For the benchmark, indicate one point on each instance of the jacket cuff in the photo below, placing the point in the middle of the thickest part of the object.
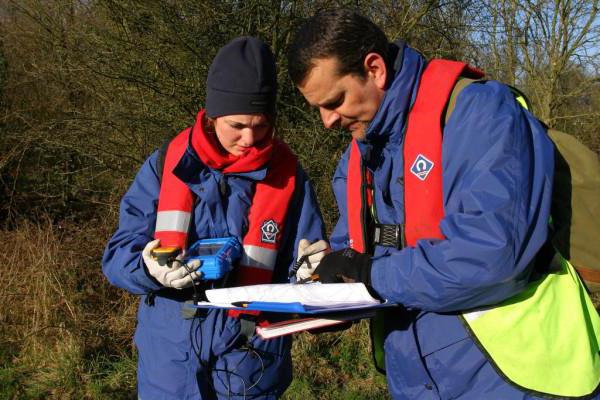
(378, 277)
(143, 278)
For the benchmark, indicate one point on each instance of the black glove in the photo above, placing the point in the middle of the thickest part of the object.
(346, 265)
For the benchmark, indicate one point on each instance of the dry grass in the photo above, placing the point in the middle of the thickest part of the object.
(60, 318)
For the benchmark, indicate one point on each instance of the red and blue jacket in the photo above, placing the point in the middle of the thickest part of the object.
(190, 358)
(497, 170)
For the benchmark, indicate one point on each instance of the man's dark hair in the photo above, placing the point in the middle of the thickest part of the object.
(342, 34)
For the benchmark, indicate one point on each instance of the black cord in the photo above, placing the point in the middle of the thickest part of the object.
(189, 271)
(196, 348)
(262, 367)
(206, 365)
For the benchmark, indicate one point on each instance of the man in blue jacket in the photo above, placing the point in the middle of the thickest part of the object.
(497, 169)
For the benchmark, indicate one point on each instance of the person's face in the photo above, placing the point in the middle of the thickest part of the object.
(348, 101)
(238, 133)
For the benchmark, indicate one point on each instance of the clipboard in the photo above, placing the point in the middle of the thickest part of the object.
(287, 298)
(295, 307)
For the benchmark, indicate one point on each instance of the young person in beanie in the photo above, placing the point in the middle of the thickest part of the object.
(225, 176)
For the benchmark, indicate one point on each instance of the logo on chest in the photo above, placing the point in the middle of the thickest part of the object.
(269, 231)
(421, 167)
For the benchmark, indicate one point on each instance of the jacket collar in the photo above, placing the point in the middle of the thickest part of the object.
(388, 123)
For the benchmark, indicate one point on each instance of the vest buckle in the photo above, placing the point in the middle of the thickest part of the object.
(389, 235)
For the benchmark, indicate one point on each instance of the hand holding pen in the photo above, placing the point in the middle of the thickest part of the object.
(309, 257)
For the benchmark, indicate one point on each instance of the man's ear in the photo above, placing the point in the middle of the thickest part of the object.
(375, 68)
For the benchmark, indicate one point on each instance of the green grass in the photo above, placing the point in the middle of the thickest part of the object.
(9, 386)
(335, 365)
(64, 374)
(113, 379)
(327, 366)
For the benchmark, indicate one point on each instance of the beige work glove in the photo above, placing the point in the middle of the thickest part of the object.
(314, 252)
(176, 275)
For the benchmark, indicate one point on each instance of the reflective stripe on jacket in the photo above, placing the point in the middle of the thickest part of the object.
(168, 363)
(266, 215)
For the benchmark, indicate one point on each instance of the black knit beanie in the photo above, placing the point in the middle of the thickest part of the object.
(242, 79)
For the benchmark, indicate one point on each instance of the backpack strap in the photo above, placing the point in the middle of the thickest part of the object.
(464, 82)
(460, 85)
(160, 160)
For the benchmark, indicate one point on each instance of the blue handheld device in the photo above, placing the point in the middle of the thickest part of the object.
(216, 256)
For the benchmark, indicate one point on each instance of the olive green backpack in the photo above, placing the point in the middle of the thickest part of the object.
(575, 224)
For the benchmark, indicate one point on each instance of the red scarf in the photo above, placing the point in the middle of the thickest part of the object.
(213, 155)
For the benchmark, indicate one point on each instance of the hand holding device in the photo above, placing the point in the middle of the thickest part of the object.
(165, 255)
(173, 274)
(309, 257)
(216, 256)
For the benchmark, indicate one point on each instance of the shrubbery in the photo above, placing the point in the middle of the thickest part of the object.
(88, 89)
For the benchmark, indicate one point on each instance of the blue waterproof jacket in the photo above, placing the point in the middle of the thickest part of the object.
(498, 167)
(198, 358)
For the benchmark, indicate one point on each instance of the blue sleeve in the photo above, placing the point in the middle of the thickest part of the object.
(498, 167)
(304, 221)
(339, 235)
(122, 262)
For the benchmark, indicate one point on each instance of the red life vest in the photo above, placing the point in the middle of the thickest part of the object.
(266, 216)
(423, 190)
